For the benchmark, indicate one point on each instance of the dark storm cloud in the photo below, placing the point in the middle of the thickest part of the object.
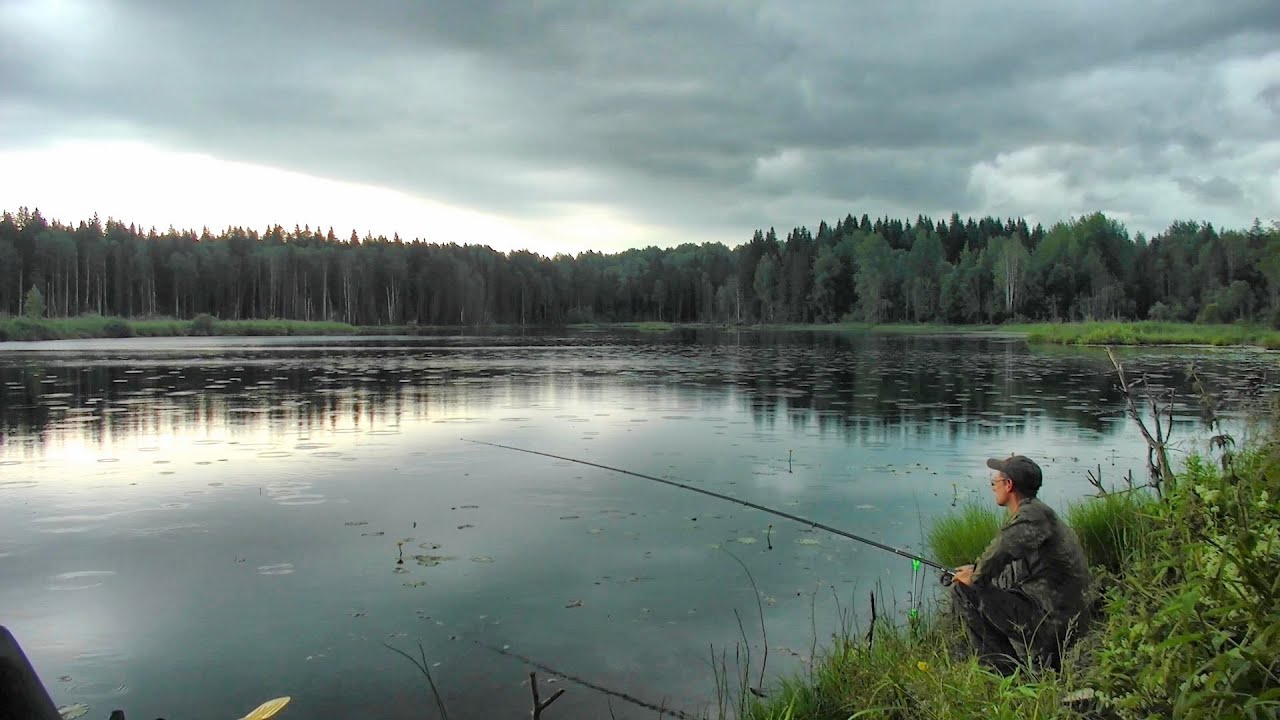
(710, 115)
(1216, 189)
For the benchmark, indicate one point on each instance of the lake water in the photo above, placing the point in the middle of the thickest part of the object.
(189, 527)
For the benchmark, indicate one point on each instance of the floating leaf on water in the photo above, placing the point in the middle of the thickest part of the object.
(376, 533)
(432, 560)
(429, 546)
(568, 517)
(747, 540)
(482, 559)
(70, 712)
(267, 709)
(355, 523)
(415, 584)
(574, 604)
(595, 531)
(464, 527)
(807, 541)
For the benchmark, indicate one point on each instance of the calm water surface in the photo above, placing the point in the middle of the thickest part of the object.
(190, 527)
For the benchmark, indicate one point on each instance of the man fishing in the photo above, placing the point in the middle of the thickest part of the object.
(1024, 599)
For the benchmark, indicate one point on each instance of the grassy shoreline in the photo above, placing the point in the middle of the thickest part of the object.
(1186, 622)
(1083, 333)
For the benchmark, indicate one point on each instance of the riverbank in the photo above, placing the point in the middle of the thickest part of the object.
(1149, 333)
(1080, 333)
(95, 326)
(1188, 625)
(1085, 333)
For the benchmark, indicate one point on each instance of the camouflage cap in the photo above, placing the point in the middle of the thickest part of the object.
(1022, 470)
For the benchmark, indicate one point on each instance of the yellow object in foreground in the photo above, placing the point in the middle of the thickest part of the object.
(924, 666)
(267, 709)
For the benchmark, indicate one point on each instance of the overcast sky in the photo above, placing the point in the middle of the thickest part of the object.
(563, 125)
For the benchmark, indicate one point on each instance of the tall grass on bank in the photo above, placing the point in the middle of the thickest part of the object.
(97, 326)
(1112, 527)
(959, 538)
(907, 674)
(1149, 333)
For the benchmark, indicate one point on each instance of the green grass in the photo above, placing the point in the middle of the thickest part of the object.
(1067, 334)
(960, 537)
(1111, 527)
(96, 326)
(1080, 333)
(910, 673)
(1149, 333)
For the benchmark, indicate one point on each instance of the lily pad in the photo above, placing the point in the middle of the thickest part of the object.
(432, 560)
(70, 712)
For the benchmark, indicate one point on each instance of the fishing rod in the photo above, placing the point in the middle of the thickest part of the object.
(947, 573)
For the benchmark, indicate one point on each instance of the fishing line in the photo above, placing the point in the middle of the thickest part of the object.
(662, 710)
(946, 572)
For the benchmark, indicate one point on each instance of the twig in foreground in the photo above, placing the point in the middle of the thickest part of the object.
(444, 715)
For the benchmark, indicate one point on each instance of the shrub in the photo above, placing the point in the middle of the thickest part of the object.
(1163, 313)
(1195, 629)
(203, 324)
(33, 305)
(117, 328)
(1212, 314)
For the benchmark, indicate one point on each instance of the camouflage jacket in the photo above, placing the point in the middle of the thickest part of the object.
(1039, 555)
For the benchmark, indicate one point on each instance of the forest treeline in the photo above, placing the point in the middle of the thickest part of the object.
(859, 269)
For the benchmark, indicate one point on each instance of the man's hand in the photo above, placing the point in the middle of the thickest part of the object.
(964, 575)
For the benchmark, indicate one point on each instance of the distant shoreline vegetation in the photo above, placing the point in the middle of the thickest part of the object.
(1083, 333)
(882, 271)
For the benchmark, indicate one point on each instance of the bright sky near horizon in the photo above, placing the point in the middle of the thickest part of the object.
(563, 127)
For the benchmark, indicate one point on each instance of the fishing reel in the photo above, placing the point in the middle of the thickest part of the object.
(947, 578)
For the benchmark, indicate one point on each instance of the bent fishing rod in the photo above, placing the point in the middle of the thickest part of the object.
(947, 573)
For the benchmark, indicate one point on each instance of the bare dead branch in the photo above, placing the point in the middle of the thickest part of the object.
(539, 705)
(1157, 447)
(1096, 480)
